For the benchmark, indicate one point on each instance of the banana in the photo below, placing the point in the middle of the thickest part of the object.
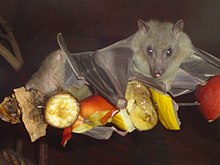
(61, 110)
(140, 106)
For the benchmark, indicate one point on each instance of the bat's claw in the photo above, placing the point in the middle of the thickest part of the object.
(122, 103)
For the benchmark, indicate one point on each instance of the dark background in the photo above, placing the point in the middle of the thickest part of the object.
(93, 24)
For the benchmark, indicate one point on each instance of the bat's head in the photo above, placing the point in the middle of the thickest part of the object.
(158, 51)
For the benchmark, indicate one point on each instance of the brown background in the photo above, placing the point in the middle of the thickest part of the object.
(93, 24)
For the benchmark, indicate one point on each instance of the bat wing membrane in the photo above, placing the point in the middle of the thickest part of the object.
(108, 72)
(196, 69)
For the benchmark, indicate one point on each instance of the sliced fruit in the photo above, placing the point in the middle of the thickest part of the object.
(82, 128)
(96, 104)
(167, 112)
(123, 121)
(61, 110)
(140, 106)
(94, 111)
(66, 135)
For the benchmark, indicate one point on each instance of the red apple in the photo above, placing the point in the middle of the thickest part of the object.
(97, 104)
(208, 95)
(95, 109)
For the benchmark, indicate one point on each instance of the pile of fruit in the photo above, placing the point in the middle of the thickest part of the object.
(96, 117)
(145, 106)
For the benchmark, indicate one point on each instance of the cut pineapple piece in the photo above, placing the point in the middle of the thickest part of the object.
(167, 111)
(122, 120)
(61, 110)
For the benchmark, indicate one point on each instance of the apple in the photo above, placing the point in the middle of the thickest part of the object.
(99, 105)
(208, 95)
(94, 111)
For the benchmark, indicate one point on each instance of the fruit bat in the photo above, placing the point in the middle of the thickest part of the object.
(159, 54)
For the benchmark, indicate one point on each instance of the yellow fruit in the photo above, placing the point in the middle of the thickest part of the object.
(122, 120)
(61, 110)
(167, 112)
(140, 106)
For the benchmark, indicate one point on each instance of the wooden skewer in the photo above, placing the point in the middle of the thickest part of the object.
(188, 104)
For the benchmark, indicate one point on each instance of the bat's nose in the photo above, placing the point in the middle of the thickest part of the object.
(158, 73)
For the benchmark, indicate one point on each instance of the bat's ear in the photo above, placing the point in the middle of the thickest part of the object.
(143, 26)
(178, 27)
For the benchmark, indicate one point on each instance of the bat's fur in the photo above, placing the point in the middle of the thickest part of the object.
(50, 75)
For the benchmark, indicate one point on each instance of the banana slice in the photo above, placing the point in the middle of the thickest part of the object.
(140, 106)
(61, 110)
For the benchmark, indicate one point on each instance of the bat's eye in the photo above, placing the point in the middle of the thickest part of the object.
(149, 51)
(169, 52)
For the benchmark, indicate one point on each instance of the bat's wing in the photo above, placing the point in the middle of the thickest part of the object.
(72, 74)
(202, 65)
(105, 70)
(195, 70)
